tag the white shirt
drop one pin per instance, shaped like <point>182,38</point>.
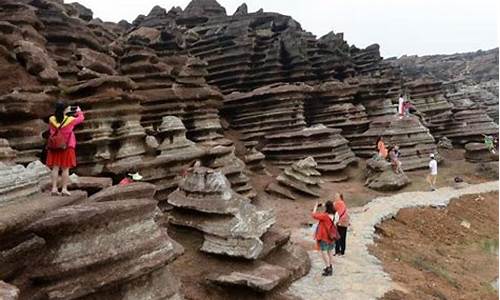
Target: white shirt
<point>400,107</point>
<point>433,165</point>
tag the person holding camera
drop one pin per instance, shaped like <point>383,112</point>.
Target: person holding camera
<point>326,234</point>
<point>61,144</point>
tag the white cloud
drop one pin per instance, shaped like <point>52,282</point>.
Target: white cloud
<point>399,26</point>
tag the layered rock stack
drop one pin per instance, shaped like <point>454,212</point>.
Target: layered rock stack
<point>7,154</point>
<point>231,226</point>
<point>22,115</point>
<point>111,138</point>
<point>171,85</point>
<point>18,182</point>
<point>414,140</point>
<point>299,180</point>
<point>254,160</point>
<point>121,253</point>
<point>381,176</point>
<point>332,104</point>
<point>266,110</point>
<point>328,148</point>
<point>479,152</point>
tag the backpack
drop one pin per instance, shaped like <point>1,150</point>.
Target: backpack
<point>333,233</point>
<point>58,141</point>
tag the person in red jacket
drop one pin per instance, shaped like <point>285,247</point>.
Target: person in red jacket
<point>325,243</point>
<point>63,159</point>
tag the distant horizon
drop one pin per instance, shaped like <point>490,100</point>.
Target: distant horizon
<point>429,30</point>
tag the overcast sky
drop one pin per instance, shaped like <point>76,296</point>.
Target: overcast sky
<point>399,26</point>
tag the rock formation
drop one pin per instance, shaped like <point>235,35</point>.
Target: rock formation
<point>299,180</point>
<point>414,140</point>
<point>381,177</point>
<point>123,249</point>
<point>328,148</point>
<point>479,152</point>
<point>17,181</point>
<point>232,226</point>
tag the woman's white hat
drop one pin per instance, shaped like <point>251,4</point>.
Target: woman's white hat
<point>135,176</point>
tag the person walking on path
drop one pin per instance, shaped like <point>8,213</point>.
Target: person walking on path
<point>342,218</point>
<point>61,144</point>
<point>382,150</point>
<point>326,234</point>
<point>433,167</point>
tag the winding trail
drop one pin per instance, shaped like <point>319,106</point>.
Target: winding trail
<point>359,275</point>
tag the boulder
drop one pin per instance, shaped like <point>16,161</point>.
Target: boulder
<point>381,177</point>
<point>230,224</point>
<point>479,152</point>
<point>263,279</point>
<point>8,292</point>
<point>17,181</point>
<point>302,178</point>
<point>136,190</point>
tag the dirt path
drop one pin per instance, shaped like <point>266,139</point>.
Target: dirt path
<point>359,275</point>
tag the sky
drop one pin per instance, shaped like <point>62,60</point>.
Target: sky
<point>400,27</point>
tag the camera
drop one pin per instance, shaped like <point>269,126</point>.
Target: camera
<point>320,204</point>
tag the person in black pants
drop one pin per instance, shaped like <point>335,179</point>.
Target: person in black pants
<point>343,222</point>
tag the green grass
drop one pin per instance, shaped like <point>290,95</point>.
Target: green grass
<point>425,265</point>
<point>490,246</point>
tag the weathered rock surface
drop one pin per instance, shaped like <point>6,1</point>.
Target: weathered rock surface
<point>17,181</point>
<point>231,225</point>
<point>414,140</point>
<point>479,152</point>
<point>122,246</point>
<point>8,292</point>
<point>264,278</point>
<point>300,179</point>
<point>380,176</point>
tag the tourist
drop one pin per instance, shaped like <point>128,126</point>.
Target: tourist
<point>401,102</point>
<point>131,178</point>
<point>395,162</point>
<point>431,178</point>
<point>489,142</point>
<point>326,234</point>
<point>382,150</point>
<point>342,222</point>
<point>61,144</point>
<point>407,107</point>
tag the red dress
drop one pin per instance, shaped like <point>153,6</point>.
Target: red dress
<point>61,158</point>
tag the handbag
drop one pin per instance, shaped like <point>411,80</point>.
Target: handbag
<point>58,141</point>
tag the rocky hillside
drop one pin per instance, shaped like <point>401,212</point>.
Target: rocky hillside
<point>479,66</point>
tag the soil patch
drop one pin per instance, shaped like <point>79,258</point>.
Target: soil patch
<point>432,254</point>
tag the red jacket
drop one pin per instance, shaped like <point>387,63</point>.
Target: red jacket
<point>324,224</point>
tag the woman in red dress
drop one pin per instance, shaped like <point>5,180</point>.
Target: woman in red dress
<point>63,158</point>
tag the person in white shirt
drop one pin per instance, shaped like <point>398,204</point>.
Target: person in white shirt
<point>400,105</point>
<point>431,178</point>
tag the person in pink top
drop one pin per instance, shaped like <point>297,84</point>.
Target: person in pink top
<point>342,218</point>
<point>62,156</point>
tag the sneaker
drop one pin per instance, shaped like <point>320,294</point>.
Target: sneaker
<point>327,271</point>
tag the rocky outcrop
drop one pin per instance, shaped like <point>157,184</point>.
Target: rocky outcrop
<point>479,152</point>
<point>231,225</point>
<point>380,176</point>
<point>8,292</point>
<point>122,254</point>
<point>328,148</point>
<point>266,110</point>
<point>254,160</point>
<point>22,115</point>
<point>17,181</point>
<point>333,104</point>
<point>414,140</point>
<point>299,180</point>
<point>7,154</point>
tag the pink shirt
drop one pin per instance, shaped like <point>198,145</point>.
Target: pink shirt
<point>68,126</point>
